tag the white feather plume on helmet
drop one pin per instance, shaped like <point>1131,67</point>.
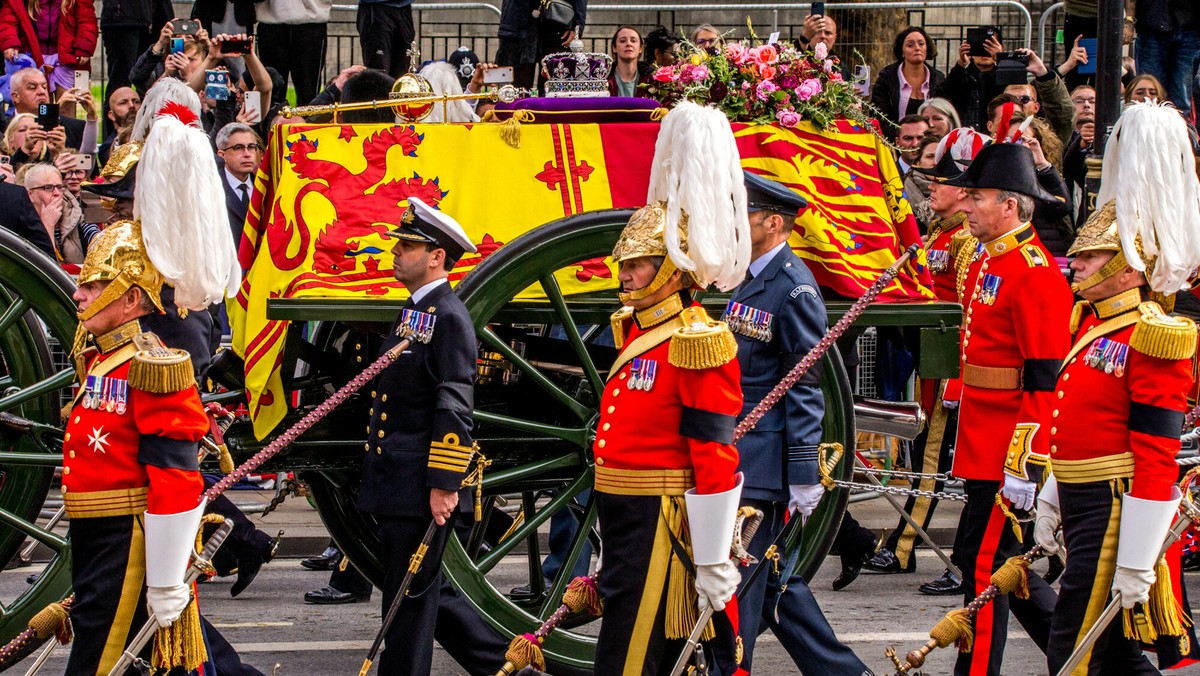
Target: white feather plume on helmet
<point>697,171</point>
<point>1150,171</point>
<point>181,205</point>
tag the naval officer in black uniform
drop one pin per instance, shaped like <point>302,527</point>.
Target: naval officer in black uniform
<point>777,316</point>
<point>419,439</point>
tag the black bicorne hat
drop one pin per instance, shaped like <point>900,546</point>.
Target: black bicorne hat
<point>1004,166</point>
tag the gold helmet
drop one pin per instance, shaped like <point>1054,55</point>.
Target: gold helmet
<point>119,256</point>
<point>643,236</point>
<point>1101,233</point>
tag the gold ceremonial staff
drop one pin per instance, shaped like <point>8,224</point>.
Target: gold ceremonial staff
<point>410,105</point>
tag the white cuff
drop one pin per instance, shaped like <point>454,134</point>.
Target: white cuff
<point>170,542</point>
<point>710,521</point>
<point>1144,526</point>
<point>1049,492</point>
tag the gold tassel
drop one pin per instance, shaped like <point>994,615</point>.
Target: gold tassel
<point>53,620</point>
<point>1166,615</point>
<point>954,628</point>
<point>1161,335</point>
<point>526,651</point>
<point>1077,316</point>
<point>582,594</point>
<point>1013,577</point>
<point>510,129</point>
<point>182,643</point>
<point>683,611</point>
<point>702,348</point>
<point>1012,518</point>
<point>226,460</point>
<point>159,375</point>
<point>1137,626</point>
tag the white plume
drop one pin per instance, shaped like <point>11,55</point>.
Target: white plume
<point>443,78</point>
<point>179,200</point>
<point>697,171</point>
<point>166,89</point>
<point>1150,170</point>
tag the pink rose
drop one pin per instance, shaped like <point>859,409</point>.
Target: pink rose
<point>665,74</point>
<point>808,89</point>
<point>694,74</point>
<point>827,66</point>
<point>788,118</point>
<point>764,55</point>
<point>765,72</point>
<point>765,89</point>
<point>821,51</point>
<point>737,53</point>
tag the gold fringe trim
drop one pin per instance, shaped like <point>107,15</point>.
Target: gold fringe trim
<point>53,620</point>
<point>510,129</point>
<point>1013,577</point>
<point>1077,316</point>
<point>954,628</point>
<point>701,343</point>
<point>1161,615</point>
<point>962,248</point>
<point>582,594</point>
<point>182,643</point>
<point>525,651</point>
<point>683,610</point>
<point>161,375</point>
<point>225,459</point>
<point>1160,335</point>
<point>617,320</point>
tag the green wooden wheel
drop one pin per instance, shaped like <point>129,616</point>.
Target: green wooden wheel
<point>535,420</point>
<point>36,314</point>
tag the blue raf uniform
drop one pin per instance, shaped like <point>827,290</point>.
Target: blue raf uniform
<point>777,316</point>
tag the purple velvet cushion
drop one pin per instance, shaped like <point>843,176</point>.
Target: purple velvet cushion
<point>582,110</point>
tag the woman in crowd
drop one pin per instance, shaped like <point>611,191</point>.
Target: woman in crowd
<point>60,212</point>
<point>941,116</point>
<point>916,184</point>
<point>661,48</point>
<point>905,85</point>
<point>1144,88</point>
<point>707,38</point>
<point>26,142</point>
<point>628,69</point>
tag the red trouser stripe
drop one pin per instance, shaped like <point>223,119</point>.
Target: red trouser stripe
<point>985,618</point>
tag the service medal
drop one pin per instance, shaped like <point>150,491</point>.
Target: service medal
<point>635,370</point>
<point>122,396</point>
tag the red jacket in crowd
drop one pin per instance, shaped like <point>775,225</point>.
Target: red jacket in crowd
<point>77,31</point>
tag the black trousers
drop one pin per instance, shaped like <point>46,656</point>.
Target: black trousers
<point>1091,514</point>
<point>853,541</point>
<point>408,643</point>
<point>245,541</point>
<point>297,50</point>
<point>987,541</point>
<point>386,33</point>
<point>931,453</point>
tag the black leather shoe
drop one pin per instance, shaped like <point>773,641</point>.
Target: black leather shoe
<point>328,560</point>
<point>884,562</point>
<point>329,596</point>
<point>851,567</point>
<point>947,584</point>
<point>248,570</point>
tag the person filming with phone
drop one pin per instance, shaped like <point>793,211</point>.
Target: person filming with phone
<point>31,96</point>
<point>971,83</point>
<point>181,47</point>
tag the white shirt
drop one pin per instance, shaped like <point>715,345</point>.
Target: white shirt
<point>424,290</point>
<point>234,182</point>
<point>906,90</point>
<point>759,264</point>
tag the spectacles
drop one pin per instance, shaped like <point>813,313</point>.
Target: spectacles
<point>706,42</point>
<point>58,187</point>
<point>75,172</point>
<point>243,147</point>
<point>1024,99</point>
<point>1081,101</point>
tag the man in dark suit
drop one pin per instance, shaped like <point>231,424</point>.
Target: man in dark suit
<point>419,438</point>
<point>29,88</point>
<point>240,150</point>
<point>18,215</point>
<point>777,316</point>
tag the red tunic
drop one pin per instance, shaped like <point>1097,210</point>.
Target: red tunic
<point>1106,413</point>
<point>640,430</point>
<point>943,268</point>
<point>1017,318</point>
<point>100,447</point>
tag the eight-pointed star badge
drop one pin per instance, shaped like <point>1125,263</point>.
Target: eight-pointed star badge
<point>98,439</point>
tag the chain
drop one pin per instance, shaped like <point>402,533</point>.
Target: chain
<point>896,490</point>
<point>287,488</point>
<point>898,473</point>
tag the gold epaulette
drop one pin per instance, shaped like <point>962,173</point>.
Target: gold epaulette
<point>1161,335</point>
<point>618,324</point>
<point>701,342</point>
<point>159,369</point>
<point>960,240</point>
<point>1035,257</point>
<point>1077,316</point>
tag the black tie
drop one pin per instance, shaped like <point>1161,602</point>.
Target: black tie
<point>245,197</point>
<point>749,276</point>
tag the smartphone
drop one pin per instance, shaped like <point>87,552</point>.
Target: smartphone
<point>237,46</point>
<point>501,75</point>
<point>977,36</point>
<point>83,81</point>
<point>252,102</point>
<point>184,27</point>
<point>818,9</point>
<point>216,85</point>
<point>82,162</point>
<point>1089,68</point>
<point>5,159</point>
<point>176,45</point>
<point>47,116</point>
<point>862,80</point>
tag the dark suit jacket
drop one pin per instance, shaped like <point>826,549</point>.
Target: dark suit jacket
<point>782,448</point>
<point>885,95</point>
<point>424,398</point>
<point>18,215</point>
<point>233,203</point>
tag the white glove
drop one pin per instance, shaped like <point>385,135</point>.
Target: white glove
<point>805,498</point>
<point>1133,585</point>
<point>167,603</point>
<point>1049,518</point>
<point>716,584</point>
<point>1019,492</point>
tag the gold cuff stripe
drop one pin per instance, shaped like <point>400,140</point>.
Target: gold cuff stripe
<point>96,504</point>
<point>1109,467</point>
<point>457,469</point>
<point>644,481</point>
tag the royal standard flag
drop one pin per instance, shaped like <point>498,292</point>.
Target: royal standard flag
<point>326,195</point>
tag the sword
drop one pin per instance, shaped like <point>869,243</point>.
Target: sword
<point>200,562</point>
<point>748,521</point>
<point>1191,515</point>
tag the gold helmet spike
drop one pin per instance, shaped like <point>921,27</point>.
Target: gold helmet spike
<point>1099,233</point>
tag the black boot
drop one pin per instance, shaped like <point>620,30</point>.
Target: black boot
<point>249,566</point>
<point>946,585</point>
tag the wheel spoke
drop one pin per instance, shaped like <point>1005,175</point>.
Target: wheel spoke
<point>529,470</point>
<point>571,558</point>
<point>490,337</point>
<point>56,382</point>
<point>33,530</point>
<point>5,381</point>
<point>532,522</point>
<point>554,293</point>
<point>533,550</point>
<point>14,312</point>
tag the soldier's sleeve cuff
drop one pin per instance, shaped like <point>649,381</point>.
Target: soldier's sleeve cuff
<point>1021,460</point>
<point>449,455</point>
<point>168,453</point>
<point>802,466</point>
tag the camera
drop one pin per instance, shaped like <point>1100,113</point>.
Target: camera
<point>1010,68</point>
